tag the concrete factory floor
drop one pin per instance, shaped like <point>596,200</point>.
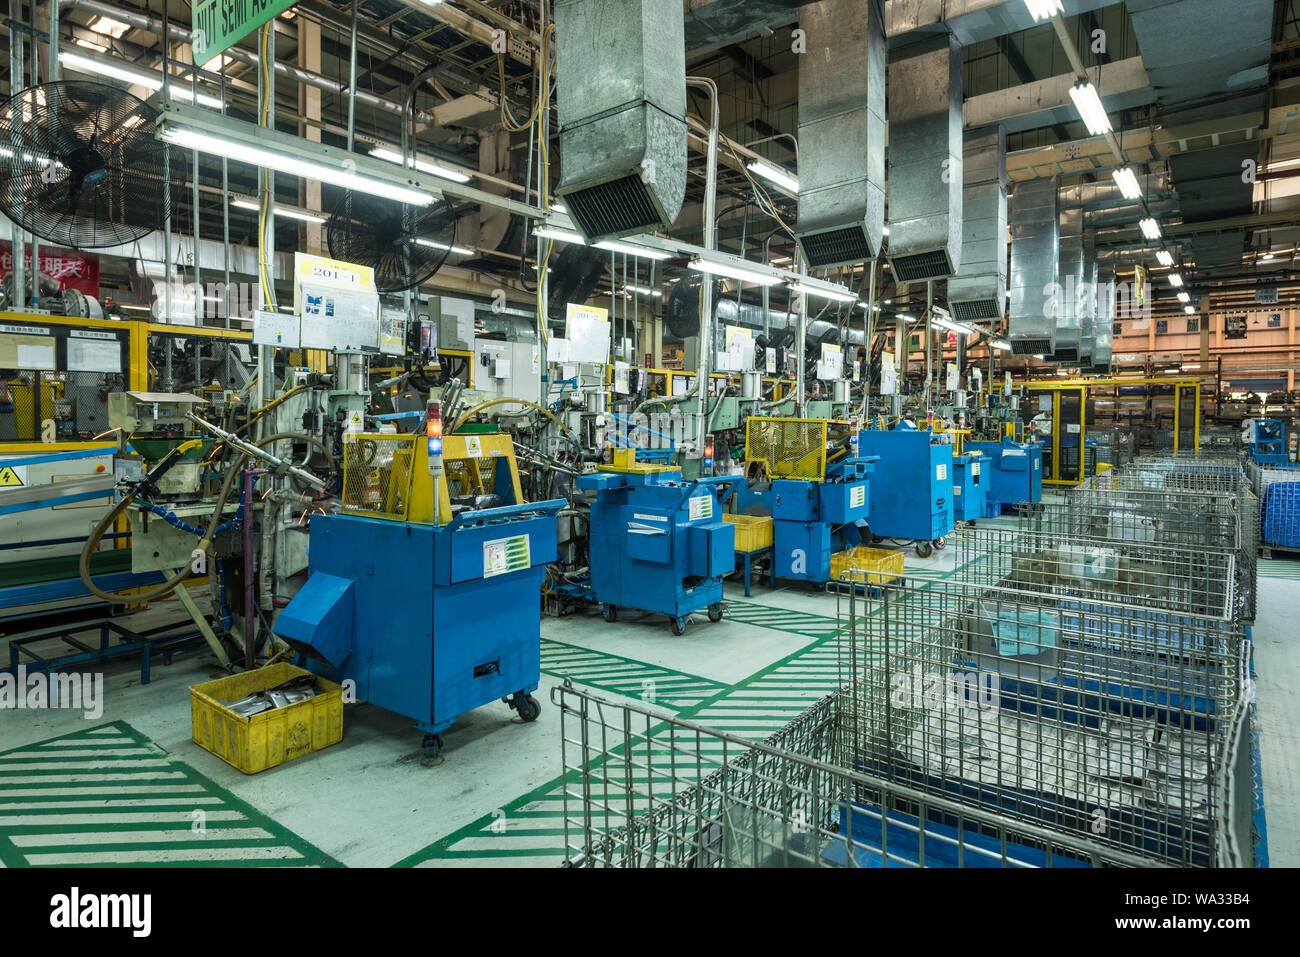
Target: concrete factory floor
<point>129,787</point>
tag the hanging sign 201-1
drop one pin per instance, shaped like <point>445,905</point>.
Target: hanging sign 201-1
<point>220,24</point>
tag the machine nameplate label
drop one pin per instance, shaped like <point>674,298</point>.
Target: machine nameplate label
<point>650,518</point>
<point>975,468</point>
<point>858,497</point>
<point>701,507</point>
<point>956,490</point>
<point>504,555</point>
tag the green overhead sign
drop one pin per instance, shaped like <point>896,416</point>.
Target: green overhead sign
<point>220,24</point>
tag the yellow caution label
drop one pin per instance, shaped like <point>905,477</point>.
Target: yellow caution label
<point>9,478</point>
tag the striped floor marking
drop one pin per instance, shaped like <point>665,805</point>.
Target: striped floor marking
<point>529,831</point>
<point>108,796</point>
<point>1288,568</point>
<point>626,676</point>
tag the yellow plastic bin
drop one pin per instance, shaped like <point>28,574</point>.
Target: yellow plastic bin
<point>871,566</point>
<point>753,532</point>
<point>273,737</point>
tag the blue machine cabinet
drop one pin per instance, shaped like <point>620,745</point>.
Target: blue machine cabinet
<point>914,496</point>
<point>658,543</point>
<point>1269,447</point>
<point>969,486</point>
<point>1015,471</point>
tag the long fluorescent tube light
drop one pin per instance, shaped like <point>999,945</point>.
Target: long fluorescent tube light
<point>1175,280</point>
<point>1165,258</point>
<point>641,290</point>
<point>1000,344</point>
<point>1043,9</point>
<point>774,174</point>
<point>951,325</point>
<point>1088,103</point>
<point>1150,228</point>
<point>829,291</point>
<point>424,166</point>
<point>1188,309</point>
<point>1184,297</point>
<point>269,159</point>
<point>127,74</point>
<point>1267,257</point>
<point>457,250</point>
<point>715,268</point>
<point>133,308</point>
<point>905,317</point>
<point>564,235</point>
<point>616,247</point>
<point>280,211</point>
<point>1127,182</point>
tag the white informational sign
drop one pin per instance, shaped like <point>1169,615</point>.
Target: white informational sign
<point>622,372</point>
<point>337,303</point>
<point>557,351</point>
<point>770,355</point>
<point>1006,384</point>
<point>740,347</point>
<point>722,362</point>
<point>392,331</point>
<point>953,379</point>
<point>588,329</point>
<point>888,374</point>
<point>94,355</point>
<point>857,371</point>
<point>1045,403</point>
<point>940,472</point>
<point>36,353</point>
<point>505,555</point>
<point>680,385</point>
<point>276,329</point>
<point>701,507</point>
<point>979,378</point>
<point>831,364</point>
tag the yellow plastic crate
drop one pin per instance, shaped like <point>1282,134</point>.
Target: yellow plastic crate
<point>752,531</point>
<point>273,737</point>
<point>871,566</point>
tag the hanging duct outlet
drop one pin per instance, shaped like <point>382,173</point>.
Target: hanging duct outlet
<point>1031,323</point>
<point>925,164</point>
<point>622,113</point>
<point>841,133</point>
<point>1070,274</point>
<point>1105,323</point>
<point>1087,301</point>
<point>979,289</point>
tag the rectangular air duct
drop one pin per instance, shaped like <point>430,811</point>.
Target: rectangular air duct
<point>1105,318</point>
<point>1087,300</point>
<point>925,164</point>
<point>979,290</point>
<point>621,100</point>
<point>1032,211</point>
<point>1070,274</point>
<point>841,133</point>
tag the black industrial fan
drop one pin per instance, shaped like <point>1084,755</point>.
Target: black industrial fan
<point>404,244</point>
<point>80,164</point>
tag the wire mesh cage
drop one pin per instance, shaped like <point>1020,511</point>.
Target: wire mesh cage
<point>645,789</point>
<point>789,448</point>
<point>1092,719</point>
<point>72,406</point>
<point>377,474</point>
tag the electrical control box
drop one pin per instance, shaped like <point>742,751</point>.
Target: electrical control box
<point>151,412</point>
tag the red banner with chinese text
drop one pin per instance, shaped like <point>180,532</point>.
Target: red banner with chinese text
<point>69,268</point>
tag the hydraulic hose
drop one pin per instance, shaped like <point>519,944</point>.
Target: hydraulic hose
<point>466,416</point>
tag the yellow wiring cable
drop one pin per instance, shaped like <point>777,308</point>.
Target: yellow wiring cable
<point>467,415</point>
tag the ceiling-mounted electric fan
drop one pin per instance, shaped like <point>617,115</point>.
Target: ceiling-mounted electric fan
<point>80,164</point>
<point>404,244</point>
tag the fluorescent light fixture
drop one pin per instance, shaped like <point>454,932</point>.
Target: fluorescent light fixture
<point>715,268</point>
<point>560,208</point>
<point>1000,344</point>
<point>641,290</point>
<point>283,212</point>
<point>1088,103</point>
<point>905,317</point>
<point>1165,258</point>
<point>823,291</point>
<point>424,166</point>
<point>1267,257</point>
<point>774,174</point>
<point>133,308</point>
<point>615,246</point>
<point>128,74</point>
<point>1175,280</point>
<point>885,231</point>
<point>1150,228</point>
<point>564,235</point>
<point>1188,309</point>
<point>1127,182</point>
<point>281,162</point>
<point>109,26</point>
<point>457,250</point>
<point>1043,9</point>
<point>1184,297</point>
<point>949,324</point>
<point>887,302</point>
<point>79,41</point>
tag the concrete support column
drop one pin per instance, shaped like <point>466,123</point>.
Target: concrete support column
<point>309,108</point>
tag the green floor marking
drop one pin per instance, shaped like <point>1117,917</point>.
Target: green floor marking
<point>626,676</point>
<point>781,619</point>
<point>108,796</point>
<point>1288,568</point>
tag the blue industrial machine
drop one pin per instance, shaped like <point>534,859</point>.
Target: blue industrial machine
<point>819,495</point>
<point>1015,471</point>
<point>914,498</point>
<point>424,590</point>
<point>969,485</point>
<point>1269,447</point>
<point>658,542</point>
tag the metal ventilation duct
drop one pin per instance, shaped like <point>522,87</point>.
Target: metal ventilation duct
<point>622,114</point>
<point>1070,273</point>
<point>841,133</point>
<point>925,164</point>
<point>1087,301</point>
<point>1034,251</point>
<point>979,290</point>
<point>1105,322</point>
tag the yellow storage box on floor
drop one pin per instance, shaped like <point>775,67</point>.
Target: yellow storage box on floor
<point>752,531</point>
<point>273,737</point>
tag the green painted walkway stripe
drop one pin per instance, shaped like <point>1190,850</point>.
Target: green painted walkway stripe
<point>107,808</point>
<point>626,676</point>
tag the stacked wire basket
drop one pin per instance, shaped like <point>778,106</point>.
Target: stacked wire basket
<point>1076,694</point>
